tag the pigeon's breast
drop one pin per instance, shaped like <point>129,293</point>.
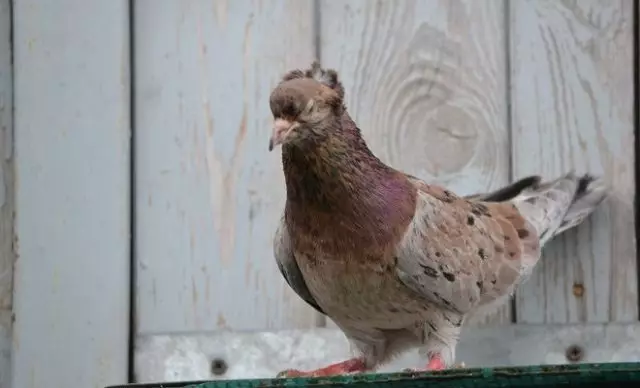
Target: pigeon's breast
<point>367,291</point>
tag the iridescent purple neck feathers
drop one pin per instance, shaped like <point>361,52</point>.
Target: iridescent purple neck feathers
<point>337,189</point>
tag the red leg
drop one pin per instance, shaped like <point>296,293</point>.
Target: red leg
<point>344,367</point>
<point>435,363</point>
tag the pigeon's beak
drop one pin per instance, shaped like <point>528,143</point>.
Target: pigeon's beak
<point>281,129</point>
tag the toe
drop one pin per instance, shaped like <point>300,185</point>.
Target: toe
<point>289,373</point>
<point>435,364</point>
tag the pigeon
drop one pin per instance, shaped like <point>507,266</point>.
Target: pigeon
<point>396,262</point>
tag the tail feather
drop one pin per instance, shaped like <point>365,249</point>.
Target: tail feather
<point>590,193</point>
<point>508,192</point>
<point>556,206</point>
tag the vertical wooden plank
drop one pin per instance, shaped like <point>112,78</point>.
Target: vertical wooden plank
<point>7,198</point>
<point>7,210</point>
<point>425,80</point>
<point>72,132</point>
<point>5,348</point>
<point>208,193</point>
<point>573,109</point>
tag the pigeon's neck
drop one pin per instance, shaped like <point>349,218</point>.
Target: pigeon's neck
<point>339,187</point>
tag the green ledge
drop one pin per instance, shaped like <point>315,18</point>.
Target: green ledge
<point>575,375</point>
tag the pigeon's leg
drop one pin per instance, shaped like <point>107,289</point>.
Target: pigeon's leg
<point>344,367</point>
<point>441,338</point>
<point>369,346</point>
<point>435,362</point>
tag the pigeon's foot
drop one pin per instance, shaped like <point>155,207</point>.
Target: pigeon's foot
<point>435,363</point>
<point>344,367</point>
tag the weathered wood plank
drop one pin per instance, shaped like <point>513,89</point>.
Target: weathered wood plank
<point>72,131</point>
<point>572,88</point>
<point>5,348</point>
<point>7,193</point>
<point>264,354</point>
<point>7,203</point>
<point>209,195</point>
<point>425,80</point>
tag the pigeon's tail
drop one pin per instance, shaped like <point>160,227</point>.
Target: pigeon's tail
<point>555,206</point>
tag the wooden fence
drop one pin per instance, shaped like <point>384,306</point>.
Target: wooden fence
<point>138,200</point>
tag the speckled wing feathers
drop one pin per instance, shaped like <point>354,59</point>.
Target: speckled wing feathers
<point>461,254</point>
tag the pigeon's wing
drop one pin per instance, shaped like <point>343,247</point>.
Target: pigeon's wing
<point>289,267</point>
<point>464,253</point>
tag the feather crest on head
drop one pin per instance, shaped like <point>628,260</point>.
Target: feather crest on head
<point>327,77</point>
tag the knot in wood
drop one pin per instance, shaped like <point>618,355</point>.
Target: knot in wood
<point>578,290</point>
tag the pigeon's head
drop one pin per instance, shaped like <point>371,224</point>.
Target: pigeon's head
<point>304,105</point>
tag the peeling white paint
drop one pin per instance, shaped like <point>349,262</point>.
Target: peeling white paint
<point>264,354</point>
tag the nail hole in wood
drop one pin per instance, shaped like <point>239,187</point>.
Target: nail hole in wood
<point>218,366</point>
<point>574,353</point>
<point>578,290</point>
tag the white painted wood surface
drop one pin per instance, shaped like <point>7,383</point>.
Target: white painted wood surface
<point>263,355</point>
<point>573,104</point>
<point>208,193</point>
<point>426,83</point>
<point>72,127</point>
<point>7,198</point>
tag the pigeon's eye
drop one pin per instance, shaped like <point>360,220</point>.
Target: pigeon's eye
<point>289,110</point>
